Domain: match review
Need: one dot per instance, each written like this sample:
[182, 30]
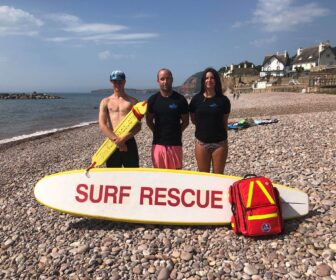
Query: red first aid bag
[256, 207]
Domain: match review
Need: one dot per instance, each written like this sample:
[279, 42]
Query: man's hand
[120, 142]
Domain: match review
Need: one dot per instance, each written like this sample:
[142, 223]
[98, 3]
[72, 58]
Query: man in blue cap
[111, 111]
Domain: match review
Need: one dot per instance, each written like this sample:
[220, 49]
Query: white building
[308, 58]
[277, 65]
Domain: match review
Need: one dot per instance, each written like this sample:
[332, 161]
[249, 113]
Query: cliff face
[192, 84]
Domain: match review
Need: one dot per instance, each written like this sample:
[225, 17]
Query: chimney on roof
[231, 67]
[299, 51]
[323, 46]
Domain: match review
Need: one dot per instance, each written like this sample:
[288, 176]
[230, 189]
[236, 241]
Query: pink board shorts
[169, 157]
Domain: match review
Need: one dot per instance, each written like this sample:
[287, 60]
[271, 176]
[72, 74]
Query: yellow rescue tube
[125, 126]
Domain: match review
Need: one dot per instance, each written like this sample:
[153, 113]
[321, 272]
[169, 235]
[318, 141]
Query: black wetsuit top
[209, 117]
[167, 118]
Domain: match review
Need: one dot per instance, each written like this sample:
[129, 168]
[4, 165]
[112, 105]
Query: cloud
[283, 15]
[66, 28]
[58, 39]
[74, 24]
[264, 41]
[142, 15]
[119, 37]
[18, 22]
[77, 30]
[104, 55]
[95, 28]
[64, 19]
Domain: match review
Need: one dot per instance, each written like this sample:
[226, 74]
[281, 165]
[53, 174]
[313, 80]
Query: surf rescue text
[150, 196]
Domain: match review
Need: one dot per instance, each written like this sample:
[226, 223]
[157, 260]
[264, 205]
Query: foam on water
[22, 119]
[44, 132]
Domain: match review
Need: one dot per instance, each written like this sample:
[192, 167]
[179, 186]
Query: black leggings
[125, 159]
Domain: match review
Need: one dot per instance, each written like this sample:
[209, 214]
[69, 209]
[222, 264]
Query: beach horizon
[297, 151]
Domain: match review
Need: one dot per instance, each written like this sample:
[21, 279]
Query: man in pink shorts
[167, 117]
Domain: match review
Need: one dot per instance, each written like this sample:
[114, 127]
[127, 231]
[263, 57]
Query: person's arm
[226, 119]
[192, 117]
[150, 121]
[184, 121]
[103, 120]
[227, 113]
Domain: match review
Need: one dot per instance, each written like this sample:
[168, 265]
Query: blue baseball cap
[117, 75]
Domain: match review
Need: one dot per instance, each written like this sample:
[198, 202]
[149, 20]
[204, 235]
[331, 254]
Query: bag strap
[250, 175]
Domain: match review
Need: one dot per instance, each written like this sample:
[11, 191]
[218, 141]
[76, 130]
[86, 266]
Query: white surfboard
[156, 196]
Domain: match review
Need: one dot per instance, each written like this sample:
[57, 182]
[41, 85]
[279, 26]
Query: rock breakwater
[22, 96]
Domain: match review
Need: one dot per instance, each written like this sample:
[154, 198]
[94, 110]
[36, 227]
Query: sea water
[21, 119]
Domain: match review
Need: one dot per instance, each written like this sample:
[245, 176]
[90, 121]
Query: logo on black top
[173, 106]
[213, 105]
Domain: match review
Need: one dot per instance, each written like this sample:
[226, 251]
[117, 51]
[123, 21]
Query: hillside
[192, 84]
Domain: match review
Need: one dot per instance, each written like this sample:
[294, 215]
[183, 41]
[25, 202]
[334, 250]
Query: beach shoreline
[298, 151]
[247, 106]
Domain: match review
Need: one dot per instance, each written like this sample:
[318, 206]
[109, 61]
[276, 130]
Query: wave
[44, 132]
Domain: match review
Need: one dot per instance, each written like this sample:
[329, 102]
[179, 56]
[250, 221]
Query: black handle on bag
[250, 175]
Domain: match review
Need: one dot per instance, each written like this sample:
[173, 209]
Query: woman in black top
[209, 112]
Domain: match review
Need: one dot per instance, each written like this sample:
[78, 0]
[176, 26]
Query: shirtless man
[111, 111]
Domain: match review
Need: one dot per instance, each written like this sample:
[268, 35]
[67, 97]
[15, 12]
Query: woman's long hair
[218, 83]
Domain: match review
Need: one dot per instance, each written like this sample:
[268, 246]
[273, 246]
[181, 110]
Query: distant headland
[137, 91]
[133, 90]
[33, 95]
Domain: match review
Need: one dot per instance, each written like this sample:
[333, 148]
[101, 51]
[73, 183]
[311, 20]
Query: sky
[73, 45]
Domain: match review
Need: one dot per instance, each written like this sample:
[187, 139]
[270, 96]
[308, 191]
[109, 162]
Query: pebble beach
[299, 151]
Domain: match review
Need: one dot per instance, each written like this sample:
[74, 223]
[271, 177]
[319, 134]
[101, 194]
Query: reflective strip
[260, 217]
[250, 194]
[270, 199]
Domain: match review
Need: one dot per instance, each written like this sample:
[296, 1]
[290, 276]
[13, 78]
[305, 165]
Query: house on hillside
[328, 57]
[242, 69]
[319, 55]
[276, 65]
